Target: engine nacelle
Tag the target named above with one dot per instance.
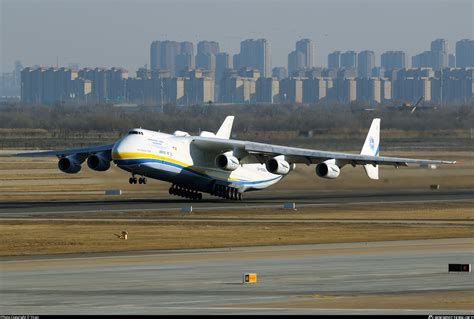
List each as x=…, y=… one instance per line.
x=327, y=170
x=99, y=162
x=69, y=164
x=278, y=166
x=227, y=162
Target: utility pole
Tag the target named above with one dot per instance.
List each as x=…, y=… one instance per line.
x=161, y=94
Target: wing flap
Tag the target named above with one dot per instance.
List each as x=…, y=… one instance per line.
x=301, y=155
x=304, y=156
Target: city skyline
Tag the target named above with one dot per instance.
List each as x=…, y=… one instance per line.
x=125, y=41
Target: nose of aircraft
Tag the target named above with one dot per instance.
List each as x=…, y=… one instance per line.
x=123, y=148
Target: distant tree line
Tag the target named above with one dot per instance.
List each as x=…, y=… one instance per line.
x=106, y=119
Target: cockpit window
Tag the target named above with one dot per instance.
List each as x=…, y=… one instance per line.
x=135, y=132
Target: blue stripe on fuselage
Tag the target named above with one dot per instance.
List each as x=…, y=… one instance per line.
x=152, y=160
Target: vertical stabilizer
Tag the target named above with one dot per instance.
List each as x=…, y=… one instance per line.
x=226, y=128
x=372, y=147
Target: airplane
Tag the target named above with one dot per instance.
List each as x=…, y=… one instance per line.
x=215, y=164
x=409, y=107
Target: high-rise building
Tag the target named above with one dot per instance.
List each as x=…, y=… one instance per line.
x=184, y=61
x=186, y=47
x=185, y=58
x=314, y=89
x=17, y=73
x=168, y=52
x=279, y=72
x=303, y=57
x=164, y=56
x=349, y=59
x=155, y=50
x=295, y=62
x=116, y=78
x=237, y=89
x=440, y=54
x=393, y=60
x=422, y=60
x=451, y=60
x=465, y=53
x=369, y=90
x=437, y=58
x=267, y=90
x=206, y=55
x=53, y=85
x=206, y=61
x=204, y=47
x=223, y=62
x=334, y=60
x=198, y=88
x=439, y=45
x=365, y=64
x=291, y=90
x=255, y=54
x=308, y=48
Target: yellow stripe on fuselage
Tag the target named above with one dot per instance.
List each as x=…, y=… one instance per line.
x=137, y=155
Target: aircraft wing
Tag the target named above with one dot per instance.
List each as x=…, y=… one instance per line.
x=261, y=152
x=61, y=153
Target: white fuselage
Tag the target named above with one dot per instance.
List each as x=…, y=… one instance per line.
x=172, y=158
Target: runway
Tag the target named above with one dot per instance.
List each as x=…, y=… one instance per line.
x=299, y=279
x=269, y=199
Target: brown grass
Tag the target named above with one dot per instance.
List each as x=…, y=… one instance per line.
x=27, y=179
x=23, y=175
x=25, y=237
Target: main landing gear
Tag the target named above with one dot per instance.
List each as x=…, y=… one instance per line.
x=134, y=180
x=185, y=192
x=226, y=192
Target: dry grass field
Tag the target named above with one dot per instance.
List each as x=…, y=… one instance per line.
x=32, y=179
x=26, y=237
x=24, y=178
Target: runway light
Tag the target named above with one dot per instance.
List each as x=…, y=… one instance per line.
x=113, y=192
x=187, y=209
x=459, y=268
x=123, y=236
x=249, y=278
x=289, y=205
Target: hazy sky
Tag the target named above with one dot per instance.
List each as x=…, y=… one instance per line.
x=119, y=32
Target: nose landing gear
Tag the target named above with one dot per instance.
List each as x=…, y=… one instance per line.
x=134, y=180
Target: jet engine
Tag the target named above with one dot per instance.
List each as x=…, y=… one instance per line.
x=278, y=166
x=99, y=162
x=227, y=161
x=327, y=170
x=69, y=164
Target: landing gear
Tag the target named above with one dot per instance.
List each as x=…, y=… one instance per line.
x=226, y=192
x=134, y=180
x=185, y=192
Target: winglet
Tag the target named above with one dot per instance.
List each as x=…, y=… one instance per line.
x=372, y=147
x=226, y=128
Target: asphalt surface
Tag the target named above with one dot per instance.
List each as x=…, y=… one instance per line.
x=252, y=200
x=210, y=281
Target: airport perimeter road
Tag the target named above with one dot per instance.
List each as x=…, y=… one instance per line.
x=253, y=200
x=347, y=278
